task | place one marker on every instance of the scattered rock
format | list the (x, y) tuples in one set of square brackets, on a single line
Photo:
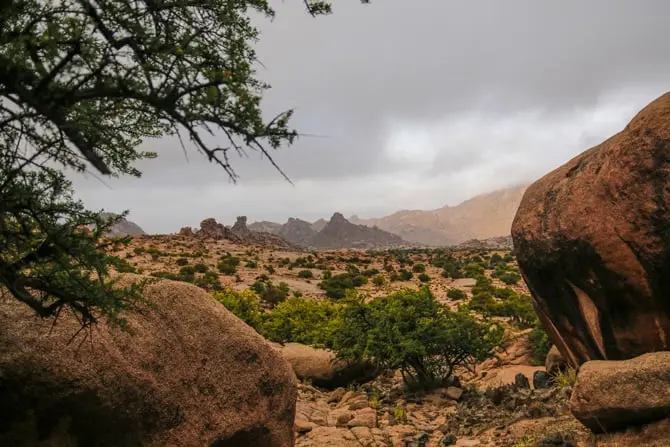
[(340, 417), (454, 393), (521, 381), (303, 426), (336, 395), (186, 231), (327, 437), (449, 439), (201, 377), (322, 368), (555, 362), (612, 395), (366, 417), (591, 239), (541, 380)]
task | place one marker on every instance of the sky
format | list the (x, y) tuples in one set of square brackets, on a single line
[(415, 104)]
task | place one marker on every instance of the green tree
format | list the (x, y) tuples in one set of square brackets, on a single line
[(82, 84), (410, 331), (244, 304)]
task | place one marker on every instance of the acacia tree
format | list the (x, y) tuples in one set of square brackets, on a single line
[(82, 84)]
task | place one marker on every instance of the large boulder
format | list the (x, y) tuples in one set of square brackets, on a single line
[(186, 372), (612, 395), (592, 240), (322, 367), (554, 362)]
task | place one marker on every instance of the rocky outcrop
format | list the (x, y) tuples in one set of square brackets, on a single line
[(612, 395), (240, 234), (297, 231), (592, 239), (122, 227), (175, 377), (265, 226), (240, 226), (322, 368), (494, 243), (340, 233), (186, 231), (211, 229)]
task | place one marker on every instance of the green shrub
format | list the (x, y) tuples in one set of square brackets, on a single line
[(181, 261), (243, 304), (418, 268), (307, 274), (539, 342), (336, 286), (300, 320), (456, 294), (226, 268), (378, 280), (251, 264), (200, 268), (409, 330), (510, 278), (271, 293), (405, 275), (423, 277), (270, 269), (369, 273)]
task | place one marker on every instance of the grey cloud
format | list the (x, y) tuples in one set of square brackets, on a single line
[(505, 90)]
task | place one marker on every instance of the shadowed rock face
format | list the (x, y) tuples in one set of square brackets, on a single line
[(593, 242), (187, 373)]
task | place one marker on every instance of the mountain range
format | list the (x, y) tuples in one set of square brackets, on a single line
[(482, 217)]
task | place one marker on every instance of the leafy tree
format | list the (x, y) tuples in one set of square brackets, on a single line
[(540, 343), (336, 286), (378, 280), (82, 84), (271, 293), (244, 304), (300, 320), (409, 330)]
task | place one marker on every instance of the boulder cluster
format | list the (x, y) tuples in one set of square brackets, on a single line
[(592, 239)]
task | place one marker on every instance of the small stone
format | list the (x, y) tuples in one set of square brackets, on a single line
[(303, 426), (364, 418), (449, 439), (454, 393), (541, 380), (336, 395), (521, 381), (467, 443)]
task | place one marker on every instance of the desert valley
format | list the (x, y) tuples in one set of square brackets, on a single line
[(464, 241)]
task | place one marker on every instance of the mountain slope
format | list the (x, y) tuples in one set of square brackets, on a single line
[(340, 233), (482, 217)]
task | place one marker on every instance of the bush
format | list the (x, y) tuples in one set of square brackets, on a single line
[(405, 275), (270, 269), (336, 286), (251, 264), (243, 304), (378, 280), (228, 265), (456, 294), (271, 293), (540, 344), (182, 261), (200, 268), (369, 273), (423, 277), (301, 321), (510, 278), (307, 274), (410, 331), (418, 268)]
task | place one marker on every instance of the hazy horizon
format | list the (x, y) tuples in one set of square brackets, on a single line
[(414, 105)]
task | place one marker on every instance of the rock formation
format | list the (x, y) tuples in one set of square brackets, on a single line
[(123, 227), (240, 234), (612, 395), (240, 226), (593, 242), (211, 229), (297, 231), (265, 227), (322, 368), (187, 372), (340, 233)]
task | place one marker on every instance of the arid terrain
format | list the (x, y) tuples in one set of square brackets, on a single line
[(491, 405)]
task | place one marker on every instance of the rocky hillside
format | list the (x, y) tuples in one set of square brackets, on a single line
[(123, 227), (265, 226), (482, 217), (297, 231), (340, 233)]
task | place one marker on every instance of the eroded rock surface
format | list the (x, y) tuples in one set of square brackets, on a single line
[(187, 373), (593, 242)]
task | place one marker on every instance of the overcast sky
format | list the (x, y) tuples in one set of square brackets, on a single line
[(415, 104)]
